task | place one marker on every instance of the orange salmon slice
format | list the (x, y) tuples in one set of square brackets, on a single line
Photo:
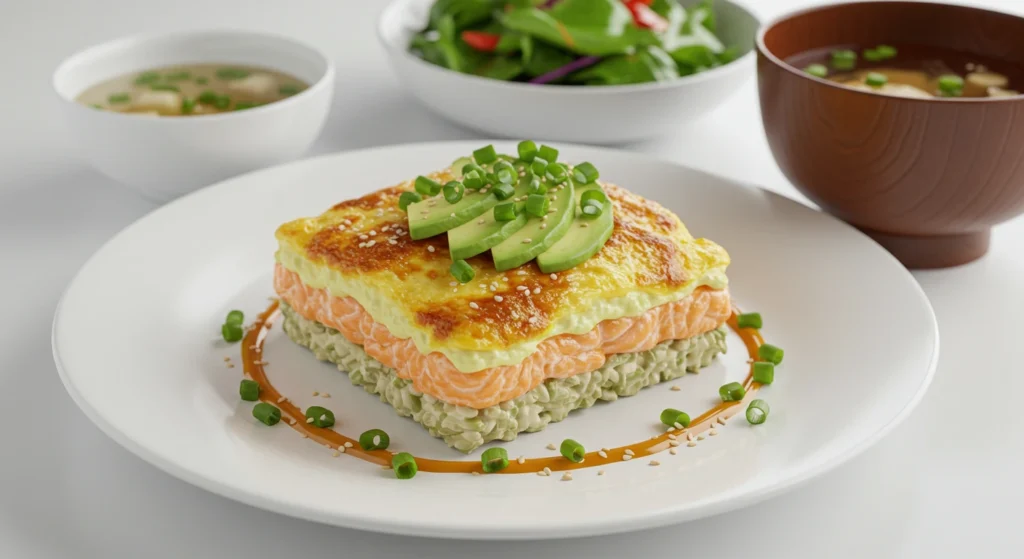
[(560, 356)]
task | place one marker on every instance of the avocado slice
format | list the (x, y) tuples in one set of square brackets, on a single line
[(533, 239), (435, 215), (479, 235), (580, 243)]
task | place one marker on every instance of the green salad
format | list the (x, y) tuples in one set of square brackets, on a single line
[(573, 42)]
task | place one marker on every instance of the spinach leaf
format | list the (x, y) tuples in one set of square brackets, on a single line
[(448, 43), (594, 27), (427, 49), (546, 58), (464, 13), (689, 39), (498, 68), (647, 64)]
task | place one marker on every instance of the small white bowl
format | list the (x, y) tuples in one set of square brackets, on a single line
[(165, 157), (583, 114)]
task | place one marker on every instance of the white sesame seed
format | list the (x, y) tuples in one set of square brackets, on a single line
[(452, 214), (700, 437), (230, 365), (712, 432), (553, 276), (691, 444), (566, 476), (584, 225), (430, 248), (671, 437), (721, 420), (547, 470), (348, 444), (325, 395), (527, 241), (677, 425), (551, 446), (522, 288), (521, 273), (373, 233), (453, 284), (600, 472), (385, 228), (672, 451), (281, 399), (336, 454), (499, 298), (362, 245), (304, 436), (626, 457), (689, 436), (543, 225), (675, 388), (341, 449), (551, 211), (226, 358), (654, 463), (316, 392), (630, 452), (291, 421), (473, 305), (363, 237), (494, 287), (536, 291), (392, 242), (673, 443), (371, 243), (541, 473), (480, 222), (504, 278), (455, 290), (602, 454), (309, 420), (521, 460), (532, 319), (605, 449), (475, 473)]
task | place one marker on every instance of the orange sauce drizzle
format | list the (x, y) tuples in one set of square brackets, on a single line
[(252, 348)]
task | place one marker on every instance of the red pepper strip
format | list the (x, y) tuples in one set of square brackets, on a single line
[(481, 41), (645, 17)]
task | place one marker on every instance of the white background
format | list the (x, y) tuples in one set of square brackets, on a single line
[(947, 483)]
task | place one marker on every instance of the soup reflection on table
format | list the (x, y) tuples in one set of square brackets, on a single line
[(191, 90), (913, 71)]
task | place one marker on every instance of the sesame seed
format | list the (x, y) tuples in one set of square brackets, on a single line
[(543, 218), (521, 460), (521, 273), (630, 452), (677, 425), (673, 443), (689, 436), (536, 291), (584, 225), (371, 243), (281, 399), (504, 278), (474, 306), (721, 420), (230, 365), (392, 242), (336, 454), (675, 388), (700, 437), (671, 437), (341, 449), (547, 470), (691, 444), (712, 432), (452, 214), (363, 237), (325, 395), (453, 284), (494, 287), (385, 228), (672, 451), (602, 454), (309, 420), (551, 446), (532, 319), (522, 288), (316, 393), (456, 290), (362, 245), (475, 473), (654, 463), (480, 222), (605, 449), (291, 421), (430, 248), (499, 298), (348, 444), (226, 358), (600, 472), (553, 277), (626, 458), (527, 241), (541, 473), (373, 233), (551, 211), (566, 476), (543, 225), (304, 436)]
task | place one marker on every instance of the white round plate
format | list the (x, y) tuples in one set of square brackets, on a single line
[(136, 341)]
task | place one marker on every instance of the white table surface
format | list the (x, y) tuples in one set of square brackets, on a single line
[(947, 483)]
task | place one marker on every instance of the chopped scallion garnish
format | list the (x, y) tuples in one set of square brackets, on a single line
[(527, 150), (119, 98), (764, 372), (556, 172), (188, 106), (427, 186), (374, 439), (538, 166), (485, 155), (462, 271), (548, 153), (164, 87), (732, 392), (757, 412), (503, 191), (235, 317), (505, 212), (249, 390), (749, 320), (404, 465), (585, 173), (844, 59), (146, 78), (572, 450), (817, 70), (473, 180), (536, 187), (321, 417), (951, 85), (266, 413), (288, 89), (768, 352), (671, 416), (407, 198), (231, 332), (453, 191), (876, 79), (537, 205), (494, 460), (593, 195), (178, 76), (231, 73)]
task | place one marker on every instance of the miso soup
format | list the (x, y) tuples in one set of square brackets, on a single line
[(192, 90), (913, 71)]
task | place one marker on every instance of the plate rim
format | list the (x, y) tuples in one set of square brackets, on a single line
[(724, 502)]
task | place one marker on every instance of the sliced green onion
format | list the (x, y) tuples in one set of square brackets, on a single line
[(231, 332), (951, 85), (462, 271), (817, 70), (235, 317), (764, 372), (527, 150), (585, 173), (374, 439), (571, 449), (556, 172), (222, 102), (407, 198), (505, 175), (871, 55), (590, 211), (231, 73), (485, 155), (494, 460), (768, 352), (732, 392), (875, 79), (536, 187), (288, 89), (671, 416), (249, 390), (886, 52), (146, 78), (537, 205), (404, 465), (548, 153), (844, 59), (538, 166), (188, 106), (470, 167), (427, 186), (243, 105), (320, 416), (208, 97), (505, 212), (266, 413), (453, 191), (178, 76), (503, 191), (119, 98), (95, 106), (473, 180), (165, 87), (594, 195), (202, 80), (757, 412), (749, 320)]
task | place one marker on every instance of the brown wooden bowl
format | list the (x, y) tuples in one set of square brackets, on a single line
[(926, 178)]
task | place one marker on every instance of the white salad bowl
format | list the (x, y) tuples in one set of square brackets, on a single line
[(165, 157), (587, 114)]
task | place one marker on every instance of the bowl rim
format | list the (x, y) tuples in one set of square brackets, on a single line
[(105, 48), (561, 89), (767, 26)]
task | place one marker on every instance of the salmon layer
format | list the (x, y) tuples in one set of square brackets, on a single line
[(464, 428), (559, 357)]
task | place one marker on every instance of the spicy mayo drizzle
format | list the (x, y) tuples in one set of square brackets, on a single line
[(252, 360)]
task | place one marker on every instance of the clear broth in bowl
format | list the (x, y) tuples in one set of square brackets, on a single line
[(191, 90), (913, 71)]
